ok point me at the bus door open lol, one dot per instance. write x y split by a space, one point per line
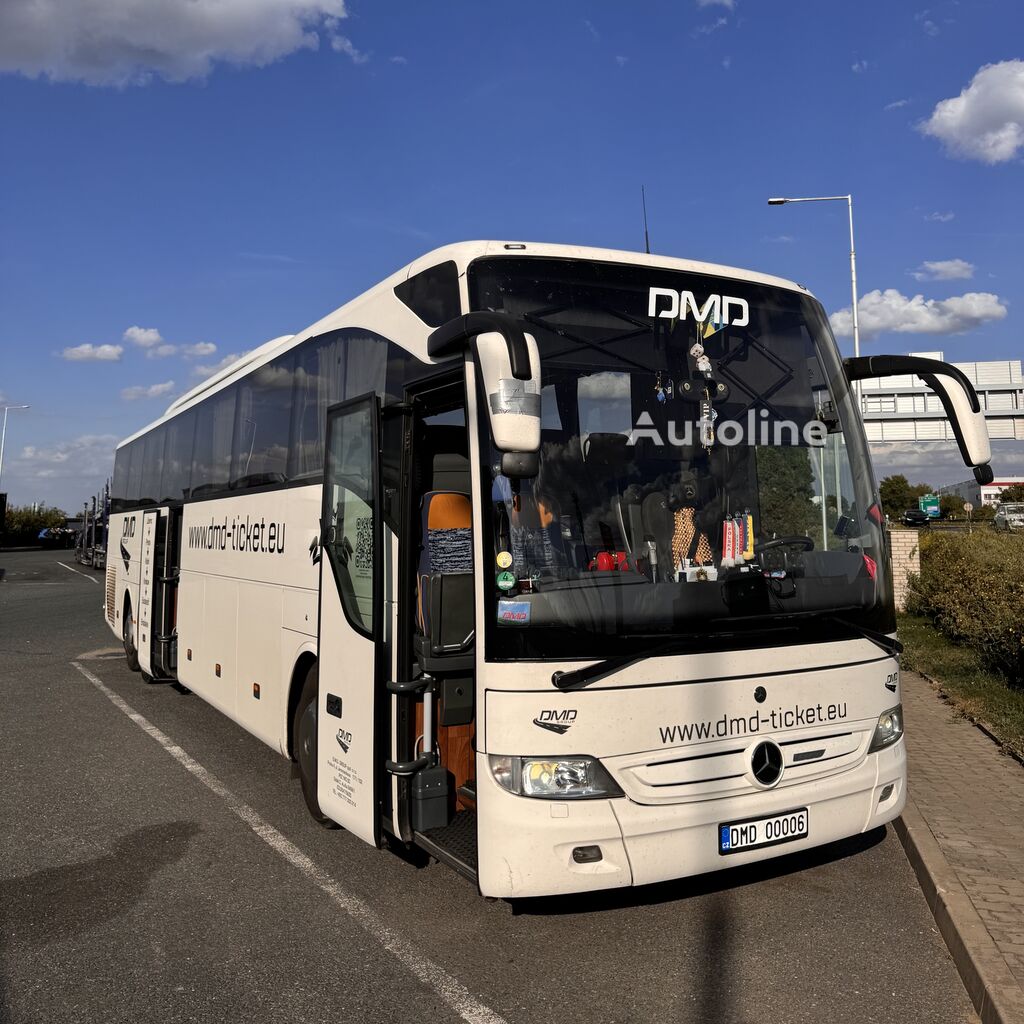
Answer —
351 627
434 758
158 587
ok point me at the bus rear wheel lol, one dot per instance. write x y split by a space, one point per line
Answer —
131 652
304 744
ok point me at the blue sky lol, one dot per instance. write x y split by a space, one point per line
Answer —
219 180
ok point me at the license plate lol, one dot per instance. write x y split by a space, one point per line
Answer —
753 833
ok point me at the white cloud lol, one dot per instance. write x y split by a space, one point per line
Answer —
161 351
714 26
127 42
779 238
892 311
398 59
986 121
132 394
590 28
938 462
721 3
199 350
895 105
268 257
144 337
341 44
62 474
727 63
943 270
622 61
858 66
605 385
210 370
93 353
942 218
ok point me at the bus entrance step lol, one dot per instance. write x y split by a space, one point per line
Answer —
454 845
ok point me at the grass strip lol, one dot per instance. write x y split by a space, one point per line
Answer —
976 691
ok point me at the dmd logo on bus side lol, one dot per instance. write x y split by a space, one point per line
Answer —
127 532
556 721
717 308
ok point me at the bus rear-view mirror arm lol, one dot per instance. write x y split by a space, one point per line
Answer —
955 391
509 365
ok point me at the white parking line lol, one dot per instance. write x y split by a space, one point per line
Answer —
91 579
452 991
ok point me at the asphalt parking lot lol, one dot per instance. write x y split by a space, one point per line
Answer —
140 885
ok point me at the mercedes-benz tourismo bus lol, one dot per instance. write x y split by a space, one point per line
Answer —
565 565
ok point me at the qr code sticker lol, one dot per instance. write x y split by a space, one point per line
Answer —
363 555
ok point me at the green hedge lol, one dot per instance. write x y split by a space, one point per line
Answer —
972 587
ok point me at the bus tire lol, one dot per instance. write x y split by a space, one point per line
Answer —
131 652
304 743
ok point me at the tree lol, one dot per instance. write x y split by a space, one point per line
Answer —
895 494
23 523
786 492
1013 493
951 506
898 495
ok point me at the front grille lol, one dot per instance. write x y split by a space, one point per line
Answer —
725 769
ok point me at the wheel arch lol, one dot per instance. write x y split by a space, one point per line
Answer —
303 663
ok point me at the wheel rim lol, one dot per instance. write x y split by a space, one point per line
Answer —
307 741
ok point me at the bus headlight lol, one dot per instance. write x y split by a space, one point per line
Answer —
888 730
549 778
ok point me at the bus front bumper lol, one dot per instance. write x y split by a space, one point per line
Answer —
528 847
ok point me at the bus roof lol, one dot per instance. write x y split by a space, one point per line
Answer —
462 254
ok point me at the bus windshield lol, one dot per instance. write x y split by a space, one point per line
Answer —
702 471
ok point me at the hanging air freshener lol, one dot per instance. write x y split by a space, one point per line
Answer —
662 392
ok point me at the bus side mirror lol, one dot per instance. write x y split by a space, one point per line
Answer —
510 371
955 391
513 406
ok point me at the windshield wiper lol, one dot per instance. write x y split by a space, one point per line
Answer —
580 677
886 643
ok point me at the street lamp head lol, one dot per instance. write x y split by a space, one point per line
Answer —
776 201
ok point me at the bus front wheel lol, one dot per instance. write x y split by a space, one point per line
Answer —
304 725
131 652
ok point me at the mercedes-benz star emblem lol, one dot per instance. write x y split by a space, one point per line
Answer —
766 763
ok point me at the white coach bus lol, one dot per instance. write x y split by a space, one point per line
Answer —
564 565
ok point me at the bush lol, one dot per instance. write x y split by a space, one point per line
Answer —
972 587
23 524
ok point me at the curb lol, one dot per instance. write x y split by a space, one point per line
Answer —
993 990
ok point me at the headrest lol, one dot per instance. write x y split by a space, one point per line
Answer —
447 510
606 447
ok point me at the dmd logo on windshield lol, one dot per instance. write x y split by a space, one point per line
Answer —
717 308
556 721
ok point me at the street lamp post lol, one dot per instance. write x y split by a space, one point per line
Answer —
779 201
3 432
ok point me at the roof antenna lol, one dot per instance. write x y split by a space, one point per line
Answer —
647 240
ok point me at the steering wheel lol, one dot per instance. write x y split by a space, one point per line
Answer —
806 543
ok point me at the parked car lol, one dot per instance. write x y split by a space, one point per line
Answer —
915 517
1009 517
